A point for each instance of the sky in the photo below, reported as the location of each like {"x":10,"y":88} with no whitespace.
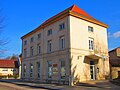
{"x":23,"y":16}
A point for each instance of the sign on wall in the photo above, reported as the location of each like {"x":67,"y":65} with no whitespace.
{"x":55,"y":69}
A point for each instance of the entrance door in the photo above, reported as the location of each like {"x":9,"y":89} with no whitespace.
{"x":92,"y":70}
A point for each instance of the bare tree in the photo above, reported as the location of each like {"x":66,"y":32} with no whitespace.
{"x":2,"y":41}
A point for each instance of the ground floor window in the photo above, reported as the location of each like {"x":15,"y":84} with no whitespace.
{"x":49,"y":69}
{"x":62,"y":69}
{"x":24,"y":70}
{"x":31,"y":70}
{"x":38,"y":69}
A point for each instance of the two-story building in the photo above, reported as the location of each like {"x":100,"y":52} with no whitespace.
{"x":70,"y":46}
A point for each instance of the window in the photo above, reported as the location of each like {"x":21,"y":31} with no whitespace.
{"x":49,"y":32}
{"x":38,"y":69}
{"x":62,"y":69}
{"x":39,"y":35}
{"x":49,"y":69}
{"x":90,"y":29}
{"x":62,"y":43}
{"x":38,"y":48}
{"x":25,"y":42}
{"x":61,"y":26}
{"x":24,"y":70}
{"x":25,"y":53}
{"x":31,"y":70}
{"x":5,"y":70}
{"x":49,"y":46}
{"x":91,"y":44}
{"x":31,"y":51}
{"x":32,"y":39}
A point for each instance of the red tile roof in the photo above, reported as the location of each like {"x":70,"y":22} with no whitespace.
{"x":8,"y":63}
{"x":73,"y":11}
{"x":76,"y":9}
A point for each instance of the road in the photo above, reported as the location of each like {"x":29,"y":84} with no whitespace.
{"x":20,"y":85}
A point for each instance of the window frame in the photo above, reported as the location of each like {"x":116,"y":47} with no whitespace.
{"x":91,"y":44}
{"x":38,"y":49}
{"x":31,"y":70}
{"x":62,"y":69}
{"x":61,"y":26}
{"x":32,"y":39}
{"x":31,"y":51}
{"x":49,"y":32}
{"x":49,"y":72}
{"x":90,"y":29}
{"x":61,"y":42}
{"x":49,"y":46}
{"x":39,"y":36}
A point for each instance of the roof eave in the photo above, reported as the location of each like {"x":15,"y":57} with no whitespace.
{"x":88,"y":19}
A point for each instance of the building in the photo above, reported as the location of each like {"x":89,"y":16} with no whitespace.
{"x":69,"y":47}
{"x":8,"y":67}
{"x":20,"y":64}
{"x":114,"y":57}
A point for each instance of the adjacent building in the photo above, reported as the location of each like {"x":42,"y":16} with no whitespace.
{"x":69,"y":47}
{"x":8,"y":68}
{"x":114,"y":57}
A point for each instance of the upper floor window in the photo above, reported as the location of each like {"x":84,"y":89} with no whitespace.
{"x":38,"y":48}
{"x":49,"y":47}
{"x":25,"y":42}
{"x":25,"y":52}
{"x":31,"y":51}
{"x":91,"y":43}
{"x":62,"y":43}
{"x":49,"y":32}
{"x":90,"y":29}
{"x":32,"y":39}
{"x":61,"y":26}
{"x":39,"y":36}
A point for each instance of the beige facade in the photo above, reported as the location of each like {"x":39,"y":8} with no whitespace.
{"x":75,"y":50}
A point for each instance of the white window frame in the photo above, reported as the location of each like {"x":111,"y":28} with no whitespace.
{"x":91,"y":44}
{"x":49,"y":69}
{"x":49,"y":46}
{"x":62,"y":26}
{"x":62,"y":43}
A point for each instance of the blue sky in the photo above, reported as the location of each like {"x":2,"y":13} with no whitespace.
{"x":23,"y":16}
